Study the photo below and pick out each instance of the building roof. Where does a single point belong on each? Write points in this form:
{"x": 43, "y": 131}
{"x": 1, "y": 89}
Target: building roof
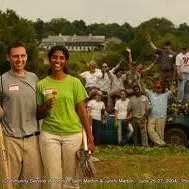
{"x": 74, "y": 38}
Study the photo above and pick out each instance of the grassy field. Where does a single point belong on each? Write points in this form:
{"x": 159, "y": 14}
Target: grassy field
{"x": 139, "y": 167}
{"x": 142, "y": 163}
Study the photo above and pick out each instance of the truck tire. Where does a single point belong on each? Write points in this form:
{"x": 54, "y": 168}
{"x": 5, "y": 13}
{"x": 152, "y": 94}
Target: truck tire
{"x": 176, "y": 136}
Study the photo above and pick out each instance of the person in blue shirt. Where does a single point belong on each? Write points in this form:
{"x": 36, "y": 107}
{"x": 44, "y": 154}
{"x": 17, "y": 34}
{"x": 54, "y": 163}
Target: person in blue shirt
{"x": 158, "y": 113}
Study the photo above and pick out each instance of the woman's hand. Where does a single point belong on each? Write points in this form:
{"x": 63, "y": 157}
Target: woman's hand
{"x": 90, "y": 143}
{"x": 49, "y": 103}
{"x": 44, "y": 108}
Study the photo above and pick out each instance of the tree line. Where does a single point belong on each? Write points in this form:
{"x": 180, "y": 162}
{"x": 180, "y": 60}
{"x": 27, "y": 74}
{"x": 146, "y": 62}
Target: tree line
{"x": 13, "y": 27}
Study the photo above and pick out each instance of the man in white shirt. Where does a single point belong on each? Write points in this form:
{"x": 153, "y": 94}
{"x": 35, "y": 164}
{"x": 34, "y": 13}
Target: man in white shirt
{"x": 182, "y": 65}
{"x": 91, "y": 76}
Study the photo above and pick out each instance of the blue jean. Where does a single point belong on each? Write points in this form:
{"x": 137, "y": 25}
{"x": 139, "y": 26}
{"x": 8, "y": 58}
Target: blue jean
{"x": 181, "y": 86}
{"x": 96, "y": 130}
{"x": 124, "y": 131}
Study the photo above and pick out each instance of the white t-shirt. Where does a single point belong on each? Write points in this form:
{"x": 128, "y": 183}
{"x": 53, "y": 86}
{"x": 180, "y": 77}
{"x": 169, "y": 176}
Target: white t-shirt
{"x": 96, "y": 108}
{"x": 104, "y": 83}
{"x": 117, "y": 83}
{"x": 121, "y": 107}
{"x": 182, "y": 60}
{"x": 91, "y": 79}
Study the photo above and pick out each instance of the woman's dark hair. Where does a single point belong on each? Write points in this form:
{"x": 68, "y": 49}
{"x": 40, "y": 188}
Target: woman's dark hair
{"x": 59, "y": 48}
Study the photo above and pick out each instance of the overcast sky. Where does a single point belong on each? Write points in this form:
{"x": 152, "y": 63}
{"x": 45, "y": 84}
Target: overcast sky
{"x": 101, "y": 11}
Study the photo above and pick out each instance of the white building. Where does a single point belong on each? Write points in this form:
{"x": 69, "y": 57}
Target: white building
{"x": 74, "y": 43}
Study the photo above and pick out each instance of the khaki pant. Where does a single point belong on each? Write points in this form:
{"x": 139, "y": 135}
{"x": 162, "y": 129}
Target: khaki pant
{"x": 156, "y": 128}
{"x": 59, "y": 158}
{"x": 24, "y": 161}
{"x": 139, "y": 131}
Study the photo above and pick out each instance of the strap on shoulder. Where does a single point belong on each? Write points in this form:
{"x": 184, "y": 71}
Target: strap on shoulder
{"x": 1, "y": 94}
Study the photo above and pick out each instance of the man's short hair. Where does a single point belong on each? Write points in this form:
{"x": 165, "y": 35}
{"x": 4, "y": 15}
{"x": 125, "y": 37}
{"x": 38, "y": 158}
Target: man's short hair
{"x": 118, "y": 70}
{"x": 15, "y": 44}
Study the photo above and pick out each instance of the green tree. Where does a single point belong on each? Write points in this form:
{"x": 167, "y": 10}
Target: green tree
{"x": 80, "y": 26}
{"x": 14, "y": 28}
{"x": 40, "y": 29}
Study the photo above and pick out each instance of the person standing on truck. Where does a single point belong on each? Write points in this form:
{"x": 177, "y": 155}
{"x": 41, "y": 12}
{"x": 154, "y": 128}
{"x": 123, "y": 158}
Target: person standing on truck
{"x": 166, "y": 61}
{"x": 158, "y": 113}
{"x": 139, "y": 68}
{"x": 182, "y": 65}
{"x": 117, "y": 84}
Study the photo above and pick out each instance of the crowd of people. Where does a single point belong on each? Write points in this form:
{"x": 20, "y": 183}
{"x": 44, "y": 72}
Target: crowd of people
{"x": 67, "y": 107}
{"x": 139, "y": 112}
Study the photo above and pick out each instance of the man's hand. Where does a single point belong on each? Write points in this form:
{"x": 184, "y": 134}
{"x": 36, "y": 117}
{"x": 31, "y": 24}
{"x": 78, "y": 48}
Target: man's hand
{"x": 106, "y": 114}
{"x": 144, "y": 117}
{"x": 128, "y": 50}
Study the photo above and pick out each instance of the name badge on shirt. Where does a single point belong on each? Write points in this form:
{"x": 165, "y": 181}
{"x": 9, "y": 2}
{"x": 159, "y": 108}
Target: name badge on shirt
{"x": 13, "y": 88}
{"x": 47, "y": 91}
{"x": 50, "y": 91}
